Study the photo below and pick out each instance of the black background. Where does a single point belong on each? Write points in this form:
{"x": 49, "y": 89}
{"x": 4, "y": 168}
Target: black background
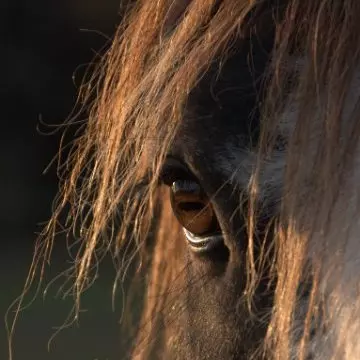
{"x": 42, "y": 46}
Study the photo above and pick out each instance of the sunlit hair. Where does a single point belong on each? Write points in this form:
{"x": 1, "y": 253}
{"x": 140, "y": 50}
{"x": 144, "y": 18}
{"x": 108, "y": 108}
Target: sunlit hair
{"x": 159, "y": 54}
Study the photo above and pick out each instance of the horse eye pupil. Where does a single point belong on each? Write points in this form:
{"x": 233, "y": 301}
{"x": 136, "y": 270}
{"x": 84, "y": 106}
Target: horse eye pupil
{"x": 191, "y": 206}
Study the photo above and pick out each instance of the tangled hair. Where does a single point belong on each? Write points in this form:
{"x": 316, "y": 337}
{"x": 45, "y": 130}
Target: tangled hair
{"x": 159, "y": 54}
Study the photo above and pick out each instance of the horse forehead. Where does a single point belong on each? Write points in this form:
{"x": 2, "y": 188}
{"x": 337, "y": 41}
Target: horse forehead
{"x": 222, "y": 113}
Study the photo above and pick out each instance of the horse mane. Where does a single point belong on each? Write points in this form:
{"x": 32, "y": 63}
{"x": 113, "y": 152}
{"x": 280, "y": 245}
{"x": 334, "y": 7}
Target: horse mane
{"x": 159, "y": 53}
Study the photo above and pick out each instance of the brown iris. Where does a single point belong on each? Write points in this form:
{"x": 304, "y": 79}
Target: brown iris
{"x": 192, "y": 208}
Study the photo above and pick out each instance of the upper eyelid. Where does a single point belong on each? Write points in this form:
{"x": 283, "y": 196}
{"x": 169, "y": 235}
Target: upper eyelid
{"x": 174, "y": 169}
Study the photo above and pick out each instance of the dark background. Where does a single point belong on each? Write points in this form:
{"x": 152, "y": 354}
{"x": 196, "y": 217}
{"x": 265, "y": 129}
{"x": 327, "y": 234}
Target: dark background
{"x": 42, "y": 45}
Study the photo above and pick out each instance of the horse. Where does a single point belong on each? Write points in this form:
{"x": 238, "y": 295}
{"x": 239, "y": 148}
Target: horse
{"x": 221, "y": 153}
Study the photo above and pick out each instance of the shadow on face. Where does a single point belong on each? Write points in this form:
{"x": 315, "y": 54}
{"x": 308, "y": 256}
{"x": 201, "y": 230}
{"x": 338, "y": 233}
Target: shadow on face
{"x": 207, "y": 172}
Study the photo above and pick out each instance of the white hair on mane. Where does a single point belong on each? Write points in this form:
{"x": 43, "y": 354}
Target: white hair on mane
{"x": 339, "y": 279}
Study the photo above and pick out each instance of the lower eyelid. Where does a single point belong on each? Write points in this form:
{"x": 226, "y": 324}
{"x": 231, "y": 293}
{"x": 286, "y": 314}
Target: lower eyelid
{"x": 203, "y": 243}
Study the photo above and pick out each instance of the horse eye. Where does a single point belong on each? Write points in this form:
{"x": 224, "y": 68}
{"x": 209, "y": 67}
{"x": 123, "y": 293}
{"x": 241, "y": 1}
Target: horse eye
{"x": 193, "y": 209}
